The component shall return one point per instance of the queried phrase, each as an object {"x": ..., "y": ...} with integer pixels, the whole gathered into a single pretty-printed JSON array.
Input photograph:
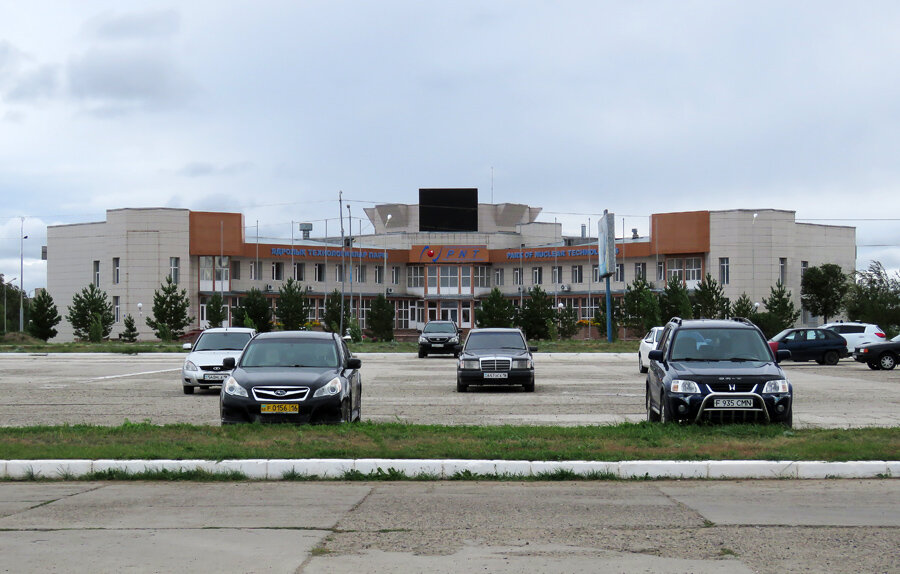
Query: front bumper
[
  {"x": 438, "y": 348},
  {"x": 311, "y": 410},
  {"x": 198, "y": 378},
  {"x": 702, "y": 407},
  {"x": 479, "y": 377}
]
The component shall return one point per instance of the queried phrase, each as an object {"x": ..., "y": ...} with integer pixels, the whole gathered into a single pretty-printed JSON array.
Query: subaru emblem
[{"x": 280, "y": 393}]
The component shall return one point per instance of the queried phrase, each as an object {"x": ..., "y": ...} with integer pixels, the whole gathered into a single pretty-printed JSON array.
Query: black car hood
[
  {"x": 515, "y": 353},
  {"x": 702, "y": 371},
  {"x": 289, "y": 376}
]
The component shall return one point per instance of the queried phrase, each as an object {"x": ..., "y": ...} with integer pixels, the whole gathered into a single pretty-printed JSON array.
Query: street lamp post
[
  {"x": 4, "y": 303},
  {"x": 22, "y": 238},
  {"x": 384, "y": 267}
]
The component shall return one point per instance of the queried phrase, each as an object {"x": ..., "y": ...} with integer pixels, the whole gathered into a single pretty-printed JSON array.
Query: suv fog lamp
[
  {"x": 780, "y": 408},
  {"x": 330, "y": 389},
  {"x": 776, "y": 386},
  {"x": 682, "y": 409},
  {"x": 680, "y": 386},
  {"x": 231, "y": 387},
  {"x": 469, "y": 364}
]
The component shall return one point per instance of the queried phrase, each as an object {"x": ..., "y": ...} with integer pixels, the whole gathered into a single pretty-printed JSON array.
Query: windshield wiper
[{"x": 743, "y": 359}]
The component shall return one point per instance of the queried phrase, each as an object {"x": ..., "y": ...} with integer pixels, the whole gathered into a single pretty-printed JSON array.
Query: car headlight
[
  {"x": 776, "y": 386},
  {"x": 189, "y": 366},
  {"x": 522, "y": 364},
  {"x": 231, "y": 387},
  {"x": 330, "y": 389},
  {"x": 469, "y": 364},
  {"x": 423, "y": 340},
  {"x": 681, "y": 386},
  {"x": 453, "y": 340}
]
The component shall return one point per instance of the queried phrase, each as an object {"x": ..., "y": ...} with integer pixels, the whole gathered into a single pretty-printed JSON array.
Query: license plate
[
  {"x": 732, "y": 403},
  {"x": 437, "y": 344},
  {"x": 279, "y": 408},
  {"x": 496, "y": 375},
  {"x": 221, "y": 377}
]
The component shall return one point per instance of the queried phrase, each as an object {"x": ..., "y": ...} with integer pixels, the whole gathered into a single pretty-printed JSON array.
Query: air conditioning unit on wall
[
  {"x": 389, "y": 290},
  {"x": 269, "y": 287},
  {"x": 563, "y": 287}
]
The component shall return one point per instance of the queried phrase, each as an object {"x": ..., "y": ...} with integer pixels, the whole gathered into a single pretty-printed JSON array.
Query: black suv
[
  {"x": 717, "y": 370},
  {"x": 439, "y": 337}
]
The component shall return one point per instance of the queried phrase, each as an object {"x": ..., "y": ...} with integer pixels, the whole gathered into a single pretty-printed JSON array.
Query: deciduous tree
[{"x": 822, "y": 290}]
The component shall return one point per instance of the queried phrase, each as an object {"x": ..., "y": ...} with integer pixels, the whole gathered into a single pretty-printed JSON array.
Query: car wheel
[
  {"x": 461, "y": 388},
  {"x": 422, "y": 354},
  {"x": 641, "y": 366},
  {"x": 873, "y": 365},
  {"x": 651, "y": 416},
  {"x": 188, "y": 390},
  {"x": 831, "y": 358},
  {"x": 664, "y": 415},
  {"x": 529, "y": 387},
  {"x": 887, "y": 361}
]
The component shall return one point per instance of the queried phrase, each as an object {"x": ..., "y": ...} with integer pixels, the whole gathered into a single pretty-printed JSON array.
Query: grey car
[{"x": 203, "y": 366}]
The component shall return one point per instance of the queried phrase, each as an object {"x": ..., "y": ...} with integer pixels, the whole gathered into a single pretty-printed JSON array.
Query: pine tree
[
  {"x": 710, "y": 300},
  {"x": 257, "y": 310},
  {"x": 568, "y": 322},
  {"x": 293, "y": 306},
  {"x": 332, "y": 315},
  {"x": 44, "y": 316},
  {"x": 537, "y": 314},
  {"x": 744, "y": 307},
  {"x": 674, "y": 301},
  {"x": 495, "y": 311},
  {"x": 216, "y": 313},
  {"x": 130, "y": 334},
  {"x": 170, "y": 311},
  {"x": 91, "y": 301},
  {"x": 641, "y": 306},
  {"x": 381, "y": 319},
  {"x": 780, "y": 311}
]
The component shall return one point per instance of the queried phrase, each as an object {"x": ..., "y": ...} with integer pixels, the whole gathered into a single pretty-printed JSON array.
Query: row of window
[{"x": 174, "y": 270}]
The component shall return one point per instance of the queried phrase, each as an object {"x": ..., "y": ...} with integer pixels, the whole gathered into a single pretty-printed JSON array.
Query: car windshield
[
  {"x": 782, "y": 334},
  {"x": 719, "y": 345},
  {"x": 440, "y": 328},
  {"x": 221, "y": 341},
  {"x": 290, "y": 353},
  {"x": 481, "y": 341},
  {"x": 657, "y": 336}
]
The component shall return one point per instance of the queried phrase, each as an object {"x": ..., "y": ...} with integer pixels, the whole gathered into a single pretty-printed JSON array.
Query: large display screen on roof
[{"x": 448, "y": 209}]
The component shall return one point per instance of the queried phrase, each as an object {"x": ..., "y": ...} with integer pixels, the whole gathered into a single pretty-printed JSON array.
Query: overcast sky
[{"x": 271, "y": 107}]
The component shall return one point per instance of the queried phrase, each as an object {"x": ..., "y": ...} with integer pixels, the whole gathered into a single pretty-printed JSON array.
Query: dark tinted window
[
  {"x": 221, "y": 341},
  {"x": 849, "y": 329},
  {"x": 290, "y": 353},
  {"x": 719, "y": 345},
  {"x": 481, "y": 341},
  {"x": 440, "y": 328}
]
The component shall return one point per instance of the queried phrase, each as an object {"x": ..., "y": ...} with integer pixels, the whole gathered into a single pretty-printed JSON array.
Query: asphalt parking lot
[{"x": 571, "y": 389}]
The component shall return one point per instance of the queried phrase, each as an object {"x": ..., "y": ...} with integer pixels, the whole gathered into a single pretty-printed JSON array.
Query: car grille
[
  {"x": 495, "y": 364},
  {"x": 289, "y": 394},
  {"x": 438, "y": 339},
  {"x": 736, "y": 387},
  {"x": 214, "y": 368}
]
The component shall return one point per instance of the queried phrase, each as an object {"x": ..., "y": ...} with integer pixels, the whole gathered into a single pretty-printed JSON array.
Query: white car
[
  {"x": 857, "y": 334},
  {"x": 203, "y": 366},
  {"x": 648, "y": 343}
]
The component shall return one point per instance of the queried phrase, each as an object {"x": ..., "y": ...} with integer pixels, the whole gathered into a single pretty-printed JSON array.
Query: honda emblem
[{"x": 732, "y": 387}]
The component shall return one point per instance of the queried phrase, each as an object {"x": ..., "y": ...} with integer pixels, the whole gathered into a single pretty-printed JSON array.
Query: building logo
[{"x": 449, "y": 253}]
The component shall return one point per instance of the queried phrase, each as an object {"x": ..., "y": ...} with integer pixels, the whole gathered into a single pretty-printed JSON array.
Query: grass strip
[{"x": 627, "y": 441}]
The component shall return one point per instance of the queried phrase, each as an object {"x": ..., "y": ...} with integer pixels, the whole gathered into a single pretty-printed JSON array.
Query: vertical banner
[{"x": 606, "y": 244}]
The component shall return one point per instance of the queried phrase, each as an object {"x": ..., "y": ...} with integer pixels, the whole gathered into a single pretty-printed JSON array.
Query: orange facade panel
[
  {"x": 215, "y": 233},
  {"x": 679, "y": 233}
]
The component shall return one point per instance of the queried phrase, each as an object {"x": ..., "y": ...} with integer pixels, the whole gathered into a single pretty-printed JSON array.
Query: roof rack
[
  {"x": 676, "y": 320},
  {"x": 743, "y": 320}
]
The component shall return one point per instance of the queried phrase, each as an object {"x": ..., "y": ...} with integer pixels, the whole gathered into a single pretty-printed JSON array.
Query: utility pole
[
  {"x": 22, "y": 238},
  {"x": 341, "y": 213},
  {"x": 350, "y": 225}
]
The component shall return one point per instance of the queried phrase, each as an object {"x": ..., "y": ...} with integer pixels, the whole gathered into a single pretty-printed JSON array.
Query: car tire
[
  {"x": 188, "y": 390},
  {"x": 651, "y": 416},
  {"x": 461, "y": 388},
  {"x": 346, "y": 411},
  {"x": 641, "y": 367},
  {"x": 664, "y": 415},
  {"x": 422, "y": 354},
  {"x": 887, "y": 361},
  {"x": 529, "y": 387},
  {"x": 789, "y": 419},
  {"x": 831, "y": 358},
  {"x": 874, "y": 365}
]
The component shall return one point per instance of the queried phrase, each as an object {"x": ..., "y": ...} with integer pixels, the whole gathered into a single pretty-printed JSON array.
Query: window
[
  {"x": 556, "y": 274},
  {"x": 782, "y": 269},
  {"x": 660, "y": 271},
  {"x": 676, "y": 269},
  {"x": 338, "y": 272},
  {"x": 299, "y": 271},
  {"x": 595, "y": 273},
  {"x": 432, "y": 277},
  {"x": 255, "y": 270},
  {"x": 498, "y": 276},
  {"x": 693, "y": 269},
  {"x": 620, "y": 272},
  {"x": 415, "y": 276},
  {"x": 277, "y": 271},
  {"x": 640, "y": 271},
  {"x": 360, "y": 274},
  {"x": 395, "y": 275},
  {"x": 804, "y": 265},
  {"x": 236, "y": 269},
  {"x": 222, "y": 270},
  {"x": 116, "y": 308},
  {"x": 482, "y": 276},
  {"x": 319, "y": 273},
  {"x": 577, "y": 274},
  {"x": 724, "y": 271},
  {"x": 449, "y": 277},
  {"x": 379, "y": 274},
  {"x": 115, "y": 271},
  {"x": 537, "y": 275},
  {"x": 518, "y": 276},
  {"x": 365, "y": 305},
  {"x": 96, "y": 273},
  {"x": 174, "y": 268},
  {"x": 465, "y": 277}
]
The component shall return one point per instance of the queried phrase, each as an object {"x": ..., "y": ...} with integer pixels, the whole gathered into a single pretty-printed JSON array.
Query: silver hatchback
[{"x": 203, "y": 366}]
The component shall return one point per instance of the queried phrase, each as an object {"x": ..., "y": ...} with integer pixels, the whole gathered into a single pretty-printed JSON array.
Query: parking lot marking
[{"x": 133, "y": 374}]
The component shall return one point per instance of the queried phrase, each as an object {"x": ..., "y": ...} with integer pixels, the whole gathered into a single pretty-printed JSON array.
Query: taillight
[{"x": 882, "y": 335}]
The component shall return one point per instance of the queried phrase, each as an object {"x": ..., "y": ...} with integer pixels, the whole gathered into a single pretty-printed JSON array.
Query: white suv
[
  {"x": 857, "y": 334},
  {"x": 203, "y": 366}
]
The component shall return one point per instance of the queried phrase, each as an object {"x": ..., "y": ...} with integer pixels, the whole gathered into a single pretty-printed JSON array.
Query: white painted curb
[{"x": 277, "y": 469}]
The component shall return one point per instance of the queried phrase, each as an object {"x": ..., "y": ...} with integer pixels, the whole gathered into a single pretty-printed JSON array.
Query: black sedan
[
  {"x": 879, "y": 355},
  {"x": 292, "y": 377},
  {"x": 823, "y": 346},
  {"x": 495, "y": 357}
]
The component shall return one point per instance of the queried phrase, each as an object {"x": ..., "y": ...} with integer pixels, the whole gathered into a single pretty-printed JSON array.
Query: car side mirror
[
  {"x": 228, "y": 362},
  {"x": 532, "y": 349},
  {"x": 186, "y": 346},
  {"x": 354, "y": 363},
  {"x": 457, "y": 348},
  {"x": 782, "y": 355},
  {"x": 656, "y": 355}
]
